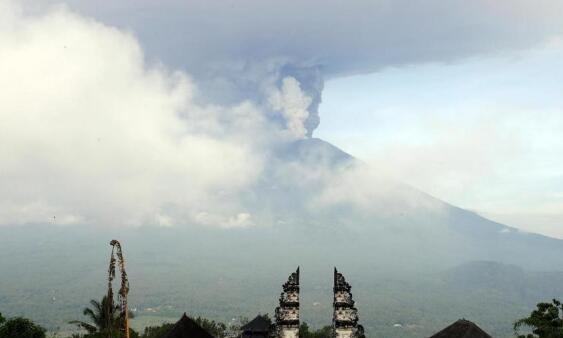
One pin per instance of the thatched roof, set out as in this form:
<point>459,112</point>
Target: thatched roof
<point>187,328</point>
<point>462,329</point>
<point>258,324</point>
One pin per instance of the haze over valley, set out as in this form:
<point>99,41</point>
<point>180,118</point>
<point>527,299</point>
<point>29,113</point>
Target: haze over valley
<point>195,133</point>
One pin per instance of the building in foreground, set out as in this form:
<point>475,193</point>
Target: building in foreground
<point>287,313</point>
<point>462,329</point>
<point>345,314</point>
<point>187,328</point>
<point>259,327</point>
<point>344,320</point>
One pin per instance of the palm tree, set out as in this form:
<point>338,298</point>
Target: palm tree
<point>104,318</point>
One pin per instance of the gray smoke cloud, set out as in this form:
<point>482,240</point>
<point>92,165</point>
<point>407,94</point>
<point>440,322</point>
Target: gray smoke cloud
<point>241,49</point>
<point>139,113</point>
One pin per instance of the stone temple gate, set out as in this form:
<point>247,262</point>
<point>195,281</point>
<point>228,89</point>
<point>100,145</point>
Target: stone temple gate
<point>345,314</point>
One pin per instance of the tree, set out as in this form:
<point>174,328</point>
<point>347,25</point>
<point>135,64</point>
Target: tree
<point>324,332</point>
<point>19,327</point>
<point>157,331</point>
<point>104,320</point>
<point>546,321</point>
<point>103,316</point>
<point>216,329</point>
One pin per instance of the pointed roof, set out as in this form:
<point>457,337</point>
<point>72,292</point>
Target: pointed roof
<point>340,283</point>
<point>187,328</point>
<point>462,329</point>
<point>292,282</point>
<point>258,324</point>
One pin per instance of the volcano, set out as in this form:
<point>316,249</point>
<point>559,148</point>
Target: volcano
<point>416,263</point>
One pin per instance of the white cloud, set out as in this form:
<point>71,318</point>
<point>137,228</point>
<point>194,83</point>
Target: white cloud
<point>240,220</point>
<point>373,192</point>
<point>349,190</point>
<point>484,134</point>
<point>236,49</point>
<point>91,134</point>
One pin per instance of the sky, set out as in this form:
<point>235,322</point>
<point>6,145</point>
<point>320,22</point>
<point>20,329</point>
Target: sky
<point>143,112</point>
<point>483,133</point>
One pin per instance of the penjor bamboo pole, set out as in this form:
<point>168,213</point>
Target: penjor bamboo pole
<point>123,290</point>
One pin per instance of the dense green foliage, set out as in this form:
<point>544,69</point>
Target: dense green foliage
<point>157,331</point>
<point>19,327</point>
<point>197,272</point>
<point>104,334</point>
<point>103,317</point>
<point>216,329</point>
<point>104,320</point>
<point>305,332</point>
<point>545,322</point>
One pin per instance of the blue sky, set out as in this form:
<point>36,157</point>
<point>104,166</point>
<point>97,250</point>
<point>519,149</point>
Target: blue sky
<point>484,133</point>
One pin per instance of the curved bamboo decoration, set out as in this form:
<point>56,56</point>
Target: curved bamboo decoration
<point>123,290</point>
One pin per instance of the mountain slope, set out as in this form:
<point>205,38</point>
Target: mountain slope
<point>405,253</point>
